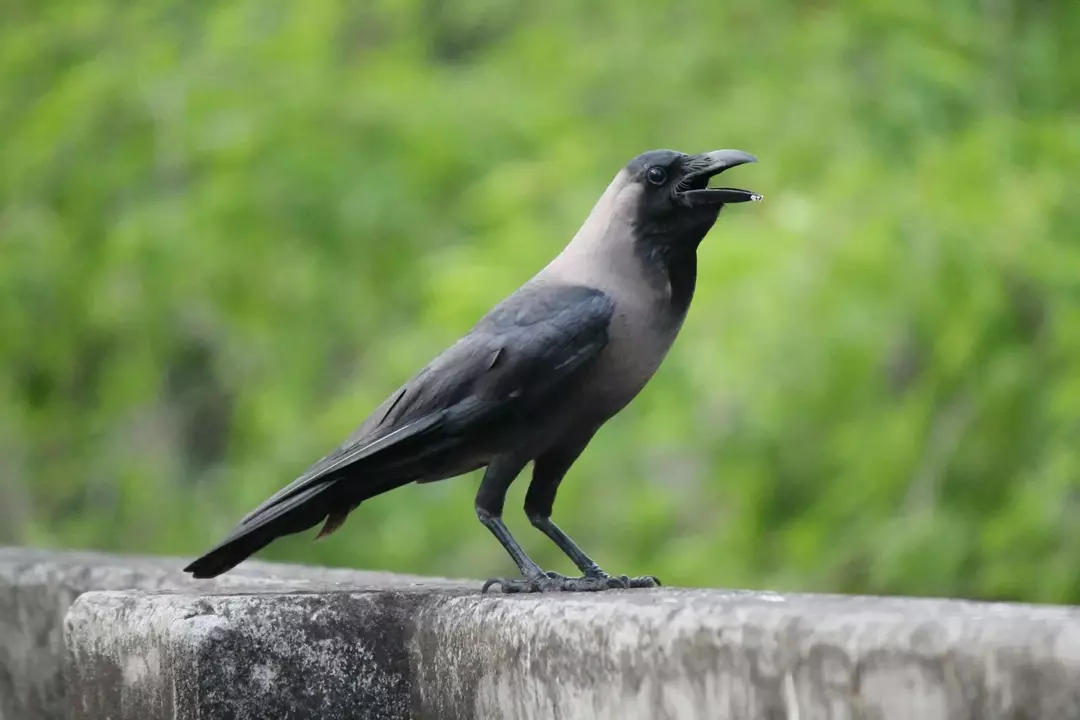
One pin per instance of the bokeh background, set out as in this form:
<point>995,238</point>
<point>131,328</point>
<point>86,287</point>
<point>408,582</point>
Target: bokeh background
<point>229,229</point>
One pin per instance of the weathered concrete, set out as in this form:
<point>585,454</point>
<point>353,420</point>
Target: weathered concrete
<point>38,586</point>
<point>326,655</point>
<point>444,652</point>
<point>713,654</point>
<point>290,642</point>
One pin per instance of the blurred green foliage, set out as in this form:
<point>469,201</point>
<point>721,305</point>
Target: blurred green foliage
<point>228,230</point>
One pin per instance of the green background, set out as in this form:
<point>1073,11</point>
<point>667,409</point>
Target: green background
<point>229,229</point>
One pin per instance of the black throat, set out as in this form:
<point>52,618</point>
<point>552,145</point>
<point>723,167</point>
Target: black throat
<point>667,245</point>
<point>674,266</point>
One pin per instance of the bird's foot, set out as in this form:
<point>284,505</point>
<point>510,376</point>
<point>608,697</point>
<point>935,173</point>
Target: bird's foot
<point>554,582</point>
<point>611,582</point>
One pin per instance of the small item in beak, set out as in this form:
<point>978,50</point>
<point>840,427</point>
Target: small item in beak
<point>735,195</point>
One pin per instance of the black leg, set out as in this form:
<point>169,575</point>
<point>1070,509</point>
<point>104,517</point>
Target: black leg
<point>548,472</point>
<point>489,508</point>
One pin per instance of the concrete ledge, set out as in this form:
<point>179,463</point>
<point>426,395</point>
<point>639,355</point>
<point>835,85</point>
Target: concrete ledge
<point>714,654</point>
<point>38,586</point>
<point>327,655</point>
<point>382,646</point>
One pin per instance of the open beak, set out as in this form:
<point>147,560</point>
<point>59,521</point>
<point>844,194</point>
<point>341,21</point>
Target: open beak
<point>695,189</point>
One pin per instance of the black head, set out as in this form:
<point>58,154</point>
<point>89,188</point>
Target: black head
<point>675,199</point>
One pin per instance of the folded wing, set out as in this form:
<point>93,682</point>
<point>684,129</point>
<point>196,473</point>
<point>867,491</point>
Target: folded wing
<point>524,352</point>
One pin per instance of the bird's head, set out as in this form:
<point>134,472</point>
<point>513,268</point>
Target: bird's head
<point>672,194</point>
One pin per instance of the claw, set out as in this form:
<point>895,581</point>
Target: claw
<point>554,582</point>
<point>556,576</point>
<point>518,585</point>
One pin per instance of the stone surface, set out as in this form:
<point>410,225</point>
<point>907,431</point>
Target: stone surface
<point>310,655</point>
<point>288,642</point>
<point>719,655</point>
<point>38,586</point>
<point>449,653</point>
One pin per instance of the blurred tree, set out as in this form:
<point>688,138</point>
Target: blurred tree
<point>228,230</point>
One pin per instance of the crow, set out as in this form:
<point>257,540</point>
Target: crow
<point>533,380</point>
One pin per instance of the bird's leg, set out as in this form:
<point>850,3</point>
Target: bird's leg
<point>489,507</point>
<point>489,502</point>
<point>548,473</point>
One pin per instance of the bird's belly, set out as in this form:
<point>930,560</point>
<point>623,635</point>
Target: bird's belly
<point>526,435</point>
<point>453,470</point>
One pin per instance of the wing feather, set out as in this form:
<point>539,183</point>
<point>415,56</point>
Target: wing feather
<point>518,355</point>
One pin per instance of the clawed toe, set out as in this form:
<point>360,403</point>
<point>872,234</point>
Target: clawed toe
<point>554,582</point>
<point>548,582</point>
<point>617,582</point>
<point>557,576</point>
<point>623,582</point>
<point>512,585</point>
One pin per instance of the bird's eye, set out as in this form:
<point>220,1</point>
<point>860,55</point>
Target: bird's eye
<point>656,175</point>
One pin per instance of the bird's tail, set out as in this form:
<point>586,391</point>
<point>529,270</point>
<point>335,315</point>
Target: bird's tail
<point>285,516</point>
<point>296,514</point>
<point>229,554</point>
<point>390,461</point>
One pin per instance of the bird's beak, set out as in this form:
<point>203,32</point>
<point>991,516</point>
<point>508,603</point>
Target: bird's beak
<point>695,185</point>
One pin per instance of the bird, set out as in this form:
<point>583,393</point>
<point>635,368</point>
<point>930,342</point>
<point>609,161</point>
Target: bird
<point>532,381</point>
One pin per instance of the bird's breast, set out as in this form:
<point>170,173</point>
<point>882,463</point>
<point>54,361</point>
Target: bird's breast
<point>640,336</point>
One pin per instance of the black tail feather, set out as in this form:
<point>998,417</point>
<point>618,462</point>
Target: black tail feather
<point>228,555</point>
<point>292,515</point>
<point>295,515</point>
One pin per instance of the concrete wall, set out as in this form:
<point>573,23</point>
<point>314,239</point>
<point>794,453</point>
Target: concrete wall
<point>37,587</point>
<point>94,636</point>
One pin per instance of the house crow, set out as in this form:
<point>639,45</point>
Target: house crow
<point>533,380</point>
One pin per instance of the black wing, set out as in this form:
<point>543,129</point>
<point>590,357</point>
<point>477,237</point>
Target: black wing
<point>516,356</point>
